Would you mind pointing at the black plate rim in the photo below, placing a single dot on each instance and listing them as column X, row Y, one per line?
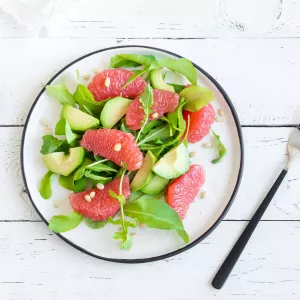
column 214, row 225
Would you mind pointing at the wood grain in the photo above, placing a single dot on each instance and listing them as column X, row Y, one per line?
column 163, row 19
column 35, row 264
column 265, row 155
column 259, row 75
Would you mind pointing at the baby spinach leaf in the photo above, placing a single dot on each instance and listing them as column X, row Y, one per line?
column 52, row 144
column 183, row 234
column 86, row 100
column 67, row 182
column 182, row 66
column 45, row 185
column 220, row 147
column 65, row 223
column 80, row 185
column 120, row 62
column 100, row 167
column 94, row 224
column 60, row 93
column 160, row 132
column 154, row 214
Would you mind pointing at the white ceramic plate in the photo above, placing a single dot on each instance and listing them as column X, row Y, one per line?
column 222, row 180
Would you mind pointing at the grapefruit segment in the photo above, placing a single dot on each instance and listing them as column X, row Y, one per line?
column 108, row 84
column 200, row 122
column 183, row 190
column 164, row 101
column 102, row 205
column 115, row 145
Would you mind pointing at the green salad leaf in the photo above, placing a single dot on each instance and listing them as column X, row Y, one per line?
column 63, row 223
column 60, row 128
column 121, row 62
column 52, row 144
column 100, row 167
column 134, row 76
column 185, row 140
column 97, row 178
column 220, row 147
column 67, row 182
column 184, row 235
column 147, row 102
column 86, row 101
column 79, row 173
column 80, row 185
column 45, row 185
column 178, row 87
column 145, row 60
column 182, row 66
column 94, row 224
column 154, row 213
column 61, row 93
column 160, row 132
column 63, row 128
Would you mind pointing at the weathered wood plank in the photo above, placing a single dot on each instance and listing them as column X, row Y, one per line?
column 265, row 150
column 48, row 268
column 260, row 76
column 194, row 19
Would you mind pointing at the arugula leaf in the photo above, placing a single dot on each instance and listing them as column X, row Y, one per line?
column 97, row 178
column 185, row 140
column 67, row 182
column 177, row 120
column 134, row 76
column 154, row 214
column 220, row 147
column 184, row 235
column 80, row 185
column 160, row 132
column 123, row 235
column 145, row 60
column 147, row 102
column 100, row 167
column 60, row 93
column 150, row 125
column 94, row 224
column 52, row 144
column 86, row 100
column 178, row 87
column 182, row 66
column 79, row 173
column 45, row 185
column 119, row 197
column 128, row 223
column 63, row 128
column 65, row 223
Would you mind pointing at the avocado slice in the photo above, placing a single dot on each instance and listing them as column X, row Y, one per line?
column 113, row 111
column 64, row 164
column 144, row 174
column 157, row 81
column 156, row 185
column 197, row 97
column 174, row 163
column 78, row 120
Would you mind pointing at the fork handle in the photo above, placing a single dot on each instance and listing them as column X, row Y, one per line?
column 238, row 248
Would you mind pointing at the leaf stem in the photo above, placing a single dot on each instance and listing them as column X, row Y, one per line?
column 121, row 204
column 142, row 128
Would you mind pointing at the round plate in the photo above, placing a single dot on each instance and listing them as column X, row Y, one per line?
column 222, row 180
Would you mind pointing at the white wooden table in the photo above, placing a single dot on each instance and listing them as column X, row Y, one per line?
column 253, row 49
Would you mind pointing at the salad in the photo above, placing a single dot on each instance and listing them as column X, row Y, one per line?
column 120, row 146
